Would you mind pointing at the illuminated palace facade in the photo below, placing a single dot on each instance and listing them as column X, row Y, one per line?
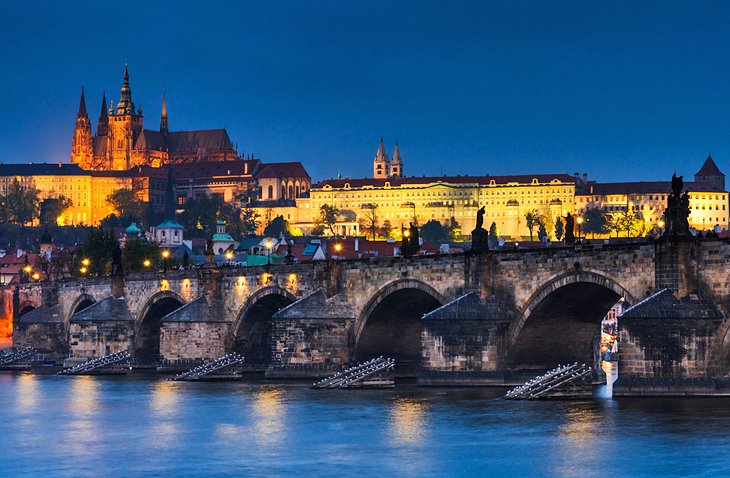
column 398, row 199
column 708, row 198
column 122, row 142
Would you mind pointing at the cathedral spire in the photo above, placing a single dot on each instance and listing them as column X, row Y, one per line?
column 125, row 106
column 102, row 128
column 381, row 165
column 396, row 167
column 163, row 116
column 82, row 104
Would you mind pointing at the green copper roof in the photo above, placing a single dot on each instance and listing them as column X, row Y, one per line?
column 132, row 229
column 217, row 237
column 170, row 224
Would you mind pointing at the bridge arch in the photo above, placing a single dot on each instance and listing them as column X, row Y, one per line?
column 251, row 330
column 148, row 322
column 560, row 322
column 80, row 303
column 390, row 323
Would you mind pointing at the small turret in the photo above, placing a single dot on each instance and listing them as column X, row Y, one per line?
column 82, row 149
column 381, row 164
column 103, row 127
column 396, row 166
column 125, row 105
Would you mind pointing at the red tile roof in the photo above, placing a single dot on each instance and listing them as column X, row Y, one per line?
column 293, row 169
column 640, row 187
column 481, row 180
column 709, row 168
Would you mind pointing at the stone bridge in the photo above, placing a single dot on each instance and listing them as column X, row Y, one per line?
column 474, row 319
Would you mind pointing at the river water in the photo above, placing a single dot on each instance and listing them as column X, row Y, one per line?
column 143, row 426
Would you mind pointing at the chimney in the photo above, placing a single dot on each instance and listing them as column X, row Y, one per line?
column 585, row 177
column 357, row 244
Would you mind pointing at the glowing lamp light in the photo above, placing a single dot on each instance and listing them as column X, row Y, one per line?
column 292, row 279
column 83, row 270
column 229, row 255
column 338, row 247
column 27, row 269
column 269, row 244
column 147, row 263
column 580, row 220
column 36, row 276
column 407, row 233
column 660, row 224
column 165, row 253
column 86, row 262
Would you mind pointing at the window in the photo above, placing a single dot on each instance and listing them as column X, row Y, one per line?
column 271, row 192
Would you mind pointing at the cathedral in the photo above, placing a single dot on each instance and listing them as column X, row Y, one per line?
column 122, row 142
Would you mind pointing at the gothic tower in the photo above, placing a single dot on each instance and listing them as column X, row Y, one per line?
column 163, row 116
column 103, row 127
column 381, row 164
column 125, row 125
column 82, row 146
column 396, row 166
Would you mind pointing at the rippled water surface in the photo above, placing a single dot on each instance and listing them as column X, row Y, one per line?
column 137, row 425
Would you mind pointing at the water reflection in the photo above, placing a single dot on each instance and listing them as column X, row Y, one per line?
column 26, row 398
column 82, row 429
column 268, row 415
column 165, row 398
column 408, row 420
column 577, row 438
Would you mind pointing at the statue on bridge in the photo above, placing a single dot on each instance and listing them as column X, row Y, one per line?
column 676, row 214
column 569, row 226
column 117, row 264
column 479, row 236
column 410, row 244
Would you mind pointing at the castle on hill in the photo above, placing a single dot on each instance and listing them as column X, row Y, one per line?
column 122, row 142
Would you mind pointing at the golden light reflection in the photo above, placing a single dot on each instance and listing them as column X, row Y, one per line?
column 408, row 420
column 27, row 393
column 186, row 291
column 165, row 398
column 268, row 415
column 578, row 439
column 292, row 279
column 164, row 284
column 82, row 429
column 265, row 278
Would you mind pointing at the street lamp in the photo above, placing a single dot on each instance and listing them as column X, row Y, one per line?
column 580, row 226
column 338, row 248
column 269, row 246
column 229, row 255
column 85, row 262
column 147, row 263
column 165, row 255
column 36, row 276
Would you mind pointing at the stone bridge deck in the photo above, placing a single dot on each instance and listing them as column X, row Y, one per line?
column 466, row 318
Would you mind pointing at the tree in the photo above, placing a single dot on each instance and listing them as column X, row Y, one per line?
column 136, row 252
column 250, row 221
column 98, row 249
column 126, row 204
column 201, row 214
column 369, row 219
column 386, row 228
column 22, row 203
column 595, row 222
column 53, row 208
column 453, row 229
column 493, row 237
column 328, row 217
column 559, row 229
column 532, row 219
column 317, row 230
column 277, row 227
column 434, row 232
column 542, row 234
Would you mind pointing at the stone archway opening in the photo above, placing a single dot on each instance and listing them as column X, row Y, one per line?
column 563, row 327
column 81, row 304
column 252, row 337
column 25, row 309
column 147, row 337
column 392, row 328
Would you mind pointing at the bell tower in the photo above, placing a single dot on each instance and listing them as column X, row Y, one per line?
column 82, row 146
column 125, row 125
column 381, row 163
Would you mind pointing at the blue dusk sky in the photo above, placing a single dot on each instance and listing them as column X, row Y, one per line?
column 620, row 90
